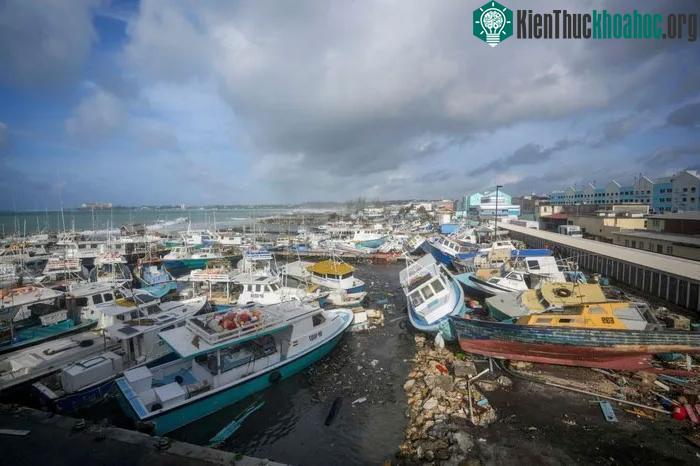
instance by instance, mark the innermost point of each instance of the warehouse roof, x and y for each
(677, 266)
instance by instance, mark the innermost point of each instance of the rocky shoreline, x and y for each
(445, 395)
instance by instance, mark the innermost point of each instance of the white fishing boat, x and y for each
(344, 289)
(523, 274)
(432, 295)
(225, 357)
(110, 267)
(133, 342)
(32, 314)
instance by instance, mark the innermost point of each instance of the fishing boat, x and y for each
(155, 279)
(225, 357)
(523, 274)
(133, 342)
(432, 294)
(571, 324)
(446, 249)
(110, 267)
(189, 257)
(31, 314)
(344, 289)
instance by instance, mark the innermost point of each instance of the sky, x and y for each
(262, 101)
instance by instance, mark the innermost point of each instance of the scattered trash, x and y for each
(374, 362)
(335, 408)
(234, 425)
(483, 402)
(439, 341)
(608, 412)
(360, 400)
(14, 432)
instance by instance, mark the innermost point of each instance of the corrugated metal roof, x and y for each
(677, 266)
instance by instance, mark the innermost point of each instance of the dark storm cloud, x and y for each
(44, 44)
(687, 116)
(673, 156)
(528, 154)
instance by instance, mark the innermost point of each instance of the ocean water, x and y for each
(86, 219)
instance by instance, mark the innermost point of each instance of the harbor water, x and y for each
(366, 370)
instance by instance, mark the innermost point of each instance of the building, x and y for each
(677, 193)
(530, 204)
(483, 205)
(685, 246)
(601, 225)
(684, 223)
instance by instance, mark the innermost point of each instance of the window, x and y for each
(318, 319)
(108, 297)
(97, 299)
(416, 299)
(659, 249)
(438, 286)
(258, 288)
(565, 321)
(82, 302)
(669, 250)
(427, 292)
(685, 190)
(533, 265)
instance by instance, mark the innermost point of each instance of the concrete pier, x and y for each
(670, 278)
(60, 440)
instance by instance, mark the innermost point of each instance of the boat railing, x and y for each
(212, 336)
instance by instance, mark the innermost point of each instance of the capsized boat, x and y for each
(572, 324)
(432, 294)
(225, 357)
(523, 274)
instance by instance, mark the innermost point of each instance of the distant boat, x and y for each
(571, 324)
(226, 357)
(432, 294)
(189, 257)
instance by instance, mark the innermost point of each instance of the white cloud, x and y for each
(97, 117)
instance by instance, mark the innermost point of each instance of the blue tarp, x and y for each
(449, 228)
(530, 253)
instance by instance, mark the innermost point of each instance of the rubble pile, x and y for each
(443, 405)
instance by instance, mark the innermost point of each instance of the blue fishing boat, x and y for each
(156, 280)
(190, 258)
(30, 315)
(432, 295)
(225, 357)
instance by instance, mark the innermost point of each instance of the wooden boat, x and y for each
(575, 330)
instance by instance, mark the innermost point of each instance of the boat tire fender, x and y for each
(562, 292)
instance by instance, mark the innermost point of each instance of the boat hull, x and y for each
(185, 264)
(442, 325)
(607, 349)
(180, 417)
(34, 336)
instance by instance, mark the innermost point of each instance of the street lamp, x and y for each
(495, 233)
